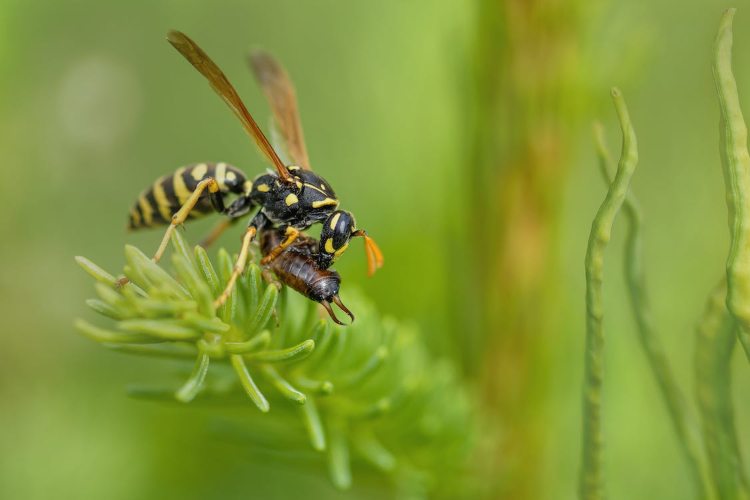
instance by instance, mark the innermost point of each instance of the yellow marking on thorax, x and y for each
(292, 167)
(334, 221)
(338, 252)
(263, 188)
(180, 189)
(315, 188)
(146, 210)
(247, 187)
(323, 187)
(329, 246)
(231, 176)
(136, 217)
(161, 200)
(199, 171)
(324, 203)
(291, 199)
(221, 175)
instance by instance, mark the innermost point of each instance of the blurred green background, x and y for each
(457, 132)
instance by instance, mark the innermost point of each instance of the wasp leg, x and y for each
(217, 201)
(182, 214)
(291, 236)
(257, 223)
(239, 266)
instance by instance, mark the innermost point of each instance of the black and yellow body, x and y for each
(286, 200)
(306, 201)
(160, 202)
(297, 267)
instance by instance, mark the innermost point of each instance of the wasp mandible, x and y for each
(290, 198)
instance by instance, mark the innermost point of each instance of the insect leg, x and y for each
(256, 223)
(182, 214)
(291, 236)
(217, 201)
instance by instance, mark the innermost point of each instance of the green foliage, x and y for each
(367, 392)
(726, 318)
(715, 341)
(591, 480)
(727, 315)
(635, 274)
(735, 161)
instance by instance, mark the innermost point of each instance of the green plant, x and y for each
(368, 391)
(635, 275)
(727, 315)
(715, 341)
(725, 321)
(591, 480)
(735, 161)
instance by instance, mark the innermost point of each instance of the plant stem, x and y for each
(736, 166)
(591, 481)
(684, 425)
(714, 346)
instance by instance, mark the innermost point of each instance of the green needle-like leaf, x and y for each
(390, 384)
(313, 424)
(294, 353)
(96, 272)
(282, 385)
(260, 341)
(248, 383)
(194, 384)
(339, 465)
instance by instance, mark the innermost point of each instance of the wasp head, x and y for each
(338, 229)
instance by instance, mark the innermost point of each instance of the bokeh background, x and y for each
(458, 132)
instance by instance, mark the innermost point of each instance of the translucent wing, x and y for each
(219, 82)
(279, 90)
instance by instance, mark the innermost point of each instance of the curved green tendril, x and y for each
(591, 485)
(736, 167)
(685, 427)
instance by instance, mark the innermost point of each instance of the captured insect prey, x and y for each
(283, 202)
(297, 267)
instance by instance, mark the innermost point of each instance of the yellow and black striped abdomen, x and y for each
(157, 204)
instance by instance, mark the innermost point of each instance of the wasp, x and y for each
(290, 198)
(298, 267)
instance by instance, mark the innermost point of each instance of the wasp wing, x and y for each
(219, 82)
(282, 97)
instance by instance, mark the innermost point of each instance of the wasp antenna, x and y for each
(327, 305)
(337, 301)
(374, 255)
